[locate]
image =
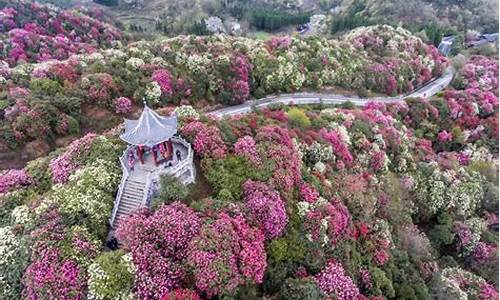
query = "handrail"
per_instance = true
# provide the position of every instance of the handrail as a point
(145, 194)
(125, 174)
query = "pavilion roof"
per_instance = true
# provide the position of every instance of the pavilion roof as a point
(150, 129)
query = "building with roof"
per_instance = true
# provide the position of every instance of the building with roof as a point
(154, 150)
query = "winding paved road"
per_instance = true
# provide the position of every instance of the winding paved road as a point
(431, 88)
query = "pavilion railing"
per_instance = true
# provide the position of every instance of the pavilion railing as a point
(152, 178)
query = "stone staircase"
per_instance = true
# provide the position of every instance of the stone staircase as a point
(131, 199)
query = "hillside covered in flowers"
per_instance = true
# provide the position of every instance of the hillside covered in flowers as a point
(31, 32)
(385, 201)
(52, 98)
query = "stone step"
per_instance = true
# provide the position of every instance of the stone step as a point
(132, 194)
(136, 184)
(127, 204)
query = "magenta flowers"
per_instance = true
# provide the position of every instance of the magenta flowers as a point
(11, 179)
(226, 253)
(158, 242)
(266, 208)
(333, 281)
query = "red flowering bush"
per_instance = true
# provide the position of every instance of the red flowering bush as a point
(274, 144)
(207, 141)
(52, 277)
(181, 294)
(227, 253)
(308, 193)
(328, 222)
(100, 88)
(59, 259)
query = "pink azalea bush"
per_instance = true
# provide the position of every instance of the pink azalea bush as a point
(275, 144)
(123, 105)
(482, 252)
(308, 193)
(159, 243)
(337, 217)
(58, 259)
(207, 140)
(333, 281)
(240, 84)
(480, 72)
(340, 147)
(227, 253)
(245, 146)
(52, 277)
(65, 164)
(13, 179)
(100, 88)
(164, 79)
(266, 207)
(181, 294)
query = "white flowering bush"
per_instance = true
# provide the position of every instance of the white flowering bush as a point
(186, 113)
(134, 63)
(456, 283)
(21, 215)
(111, 276)
(460, 191)
(153, 92)
(14, 256)
(88, 195)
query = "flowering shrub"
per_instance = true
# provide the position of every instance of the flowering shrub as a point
(459, 190)
(186, 113)
(227, 253)
(65, 164)
(333, 281)
(461, 284)
(11, 179)
(32, 32)
(159, 243)
(245, 146)
(52, 277)
(275, 144)
(181, 294)
(479, 72)
(325, 222)
(308, 193)
(164, 80)
(123, 105)
(59, 259)
(87, 197)
(207, 140)
(14, 259)
(100, 88)
(266, 207)
(111, 276)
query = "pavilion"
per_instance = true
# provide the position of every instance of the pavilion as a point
(154, 150)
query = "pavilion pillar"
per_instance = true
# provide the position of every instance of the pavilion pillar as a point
(154, 154)
(140, 152)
